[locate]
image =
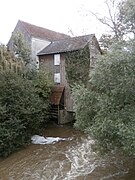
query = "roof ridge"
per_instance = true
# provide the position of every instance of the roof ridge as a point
(74, 37)
(39, 27)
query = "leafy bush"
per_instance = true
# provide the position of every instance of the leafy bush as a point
(85, 106)
(22, 111)
(106, 109)
(42, 84)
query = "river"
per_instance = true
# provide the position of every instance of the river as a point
(66, 160)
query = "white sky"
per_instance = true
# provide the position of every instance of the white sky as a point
(57, 15)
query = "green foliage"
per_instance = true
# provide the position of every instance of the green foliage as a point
(21, 48)
(106, 40)
(128, 10)
(22, 111)
(77, 66)
(42, 84)
(4, 54)
(84, 106)
(109, 101)
(120, 21)
(9, 62)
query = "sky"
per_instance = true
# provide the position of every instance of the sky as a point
(63, 16)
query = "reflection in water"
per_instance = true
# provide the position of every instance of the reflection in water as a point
(65, 160)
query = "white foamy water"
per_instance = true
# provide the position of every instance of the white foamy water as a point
(82, 158)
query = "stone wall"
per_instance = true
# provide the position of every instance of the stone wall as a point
(94, 51)
(66, 117)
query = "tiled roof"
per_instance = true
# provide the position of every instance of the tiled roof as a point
(66, 45)
(42, 33)
(56, 95)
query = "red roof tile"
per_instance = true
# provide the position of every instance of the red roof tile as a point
(42, 33)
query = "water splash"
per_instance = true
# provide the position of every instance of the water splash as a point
(83, 159)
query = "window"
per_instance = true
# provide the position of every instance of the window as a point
(57, 78)
(56, 59)
(57, 68)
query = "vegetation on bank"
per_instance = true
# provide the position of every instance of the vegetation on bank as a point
(106, 108)
(24, 109)
(24, 103)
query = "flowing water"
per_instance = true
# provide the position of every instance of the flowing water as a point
(66, 160)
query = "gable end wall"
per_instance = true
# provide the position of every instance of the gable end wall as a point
(27, 37)
(94, 51)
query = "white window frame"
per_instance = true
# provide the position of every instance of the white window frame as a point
(57, 77)
(56, 59)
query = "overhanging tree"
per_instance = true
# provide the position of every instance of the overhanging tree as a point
(114, 20)
(120, 21)
(110, 101)
(128, 10)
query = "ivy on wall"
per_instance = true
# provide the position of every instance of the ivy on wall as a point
(77, 66)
